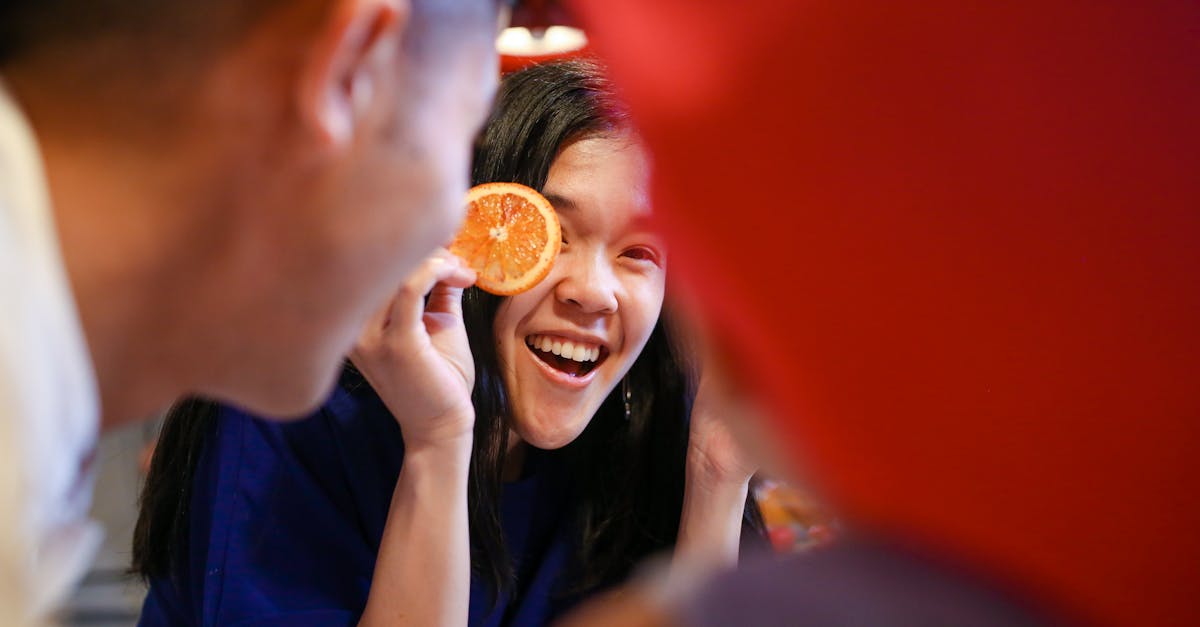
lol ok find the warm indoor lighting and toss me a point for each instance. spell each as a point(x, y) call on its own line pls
point(523, 42)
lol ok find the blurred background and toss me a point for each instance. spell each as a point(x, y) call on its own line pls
point(109, 596)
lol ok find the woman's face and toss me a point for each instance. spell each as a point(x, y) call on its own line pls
point(598, 305)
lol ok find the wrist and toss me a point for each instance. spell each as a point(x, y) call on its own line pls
point(446, 452)
point(710, 522)
point(444, 446)
point(448, 435)
point(703, 472)
point(441, 468)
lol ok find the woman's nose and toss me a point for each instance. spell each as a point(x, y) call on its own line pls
point(588, 282)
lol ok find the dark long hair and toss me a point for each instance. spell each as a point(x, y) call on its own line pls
point(627, 474)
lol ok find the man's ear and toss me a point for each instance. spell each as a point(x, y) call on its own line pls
point(338, 80)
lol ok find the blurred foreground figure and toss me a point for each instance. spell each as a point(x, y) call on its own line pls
point(954, 249)
point(204, 198)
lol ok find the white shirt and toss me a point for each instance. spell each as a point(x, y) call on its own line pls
point(49, 405)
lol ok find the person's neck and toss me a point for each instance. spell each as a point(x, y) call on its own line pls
point(133, 248)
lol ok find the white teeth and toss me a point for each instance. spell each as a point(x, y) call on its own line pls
point(566, 349)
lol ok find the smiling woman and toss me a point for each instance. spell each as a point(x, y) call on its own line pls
point(566, 343)
point(489, 460)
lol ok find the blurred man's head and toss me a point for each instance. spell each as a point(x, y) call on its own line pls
point(300, 156)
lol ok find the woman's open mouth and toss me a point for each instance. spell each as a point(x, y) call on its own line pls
point(574, 359)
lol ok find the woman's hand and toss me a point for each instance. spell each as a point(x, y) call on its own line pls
point(416, 356)
point(717, 477)
point(714, 454)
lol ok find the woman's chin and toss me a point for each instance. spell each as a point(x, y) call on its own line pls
point(550, 435)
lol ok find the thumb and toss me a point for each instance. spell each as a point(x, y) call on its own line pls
point(409, 306)
point(446, 296)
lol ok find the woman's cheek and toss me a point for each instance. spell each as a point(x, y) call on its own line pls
point(640, 321)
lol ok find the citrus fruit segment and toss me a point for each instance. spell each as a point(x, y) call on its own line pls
point(510, 237)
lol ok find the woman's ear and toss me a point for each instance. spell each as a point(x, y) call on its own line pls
point(357, 43)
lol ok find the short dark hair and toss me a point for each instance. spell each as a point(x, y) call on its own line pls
point(132, 68)
point(29, 27)
point(113, 36)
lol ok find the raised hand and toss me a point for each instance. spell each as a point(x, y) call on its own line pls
point(718, 466)
point(714, 451)
point(414, 352)
point(415, 355)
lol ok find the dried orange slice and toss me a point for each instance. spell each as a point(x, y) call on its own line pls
point(510, 237)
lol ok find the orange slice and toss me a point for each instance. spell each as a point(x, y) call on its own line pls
point(510, 237)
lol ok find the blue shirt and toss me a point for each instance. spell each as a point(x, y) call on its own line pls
point(286, 521)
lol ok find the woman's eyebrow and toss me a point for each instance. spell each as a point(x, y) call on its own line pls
point(559, 202)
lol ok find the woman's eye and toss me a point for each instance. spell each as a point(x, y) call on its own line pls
point(641, 254)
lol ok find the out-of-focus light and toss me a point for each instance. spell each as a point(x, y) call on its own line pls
point(523, 42)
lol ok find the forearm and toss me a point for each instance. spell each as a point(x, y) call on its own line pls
point(423, 572)
point(710, 525)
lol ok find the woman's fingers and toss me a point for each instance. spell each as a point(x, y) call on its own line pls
point(446, 296)
point(442, 276)
point(409, 304)
point(408, 296)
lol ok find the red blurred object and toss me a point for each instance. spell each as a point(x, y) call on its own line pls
point(821, 534)
point(782, 538)
point(535, 14)
point(956, 247)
